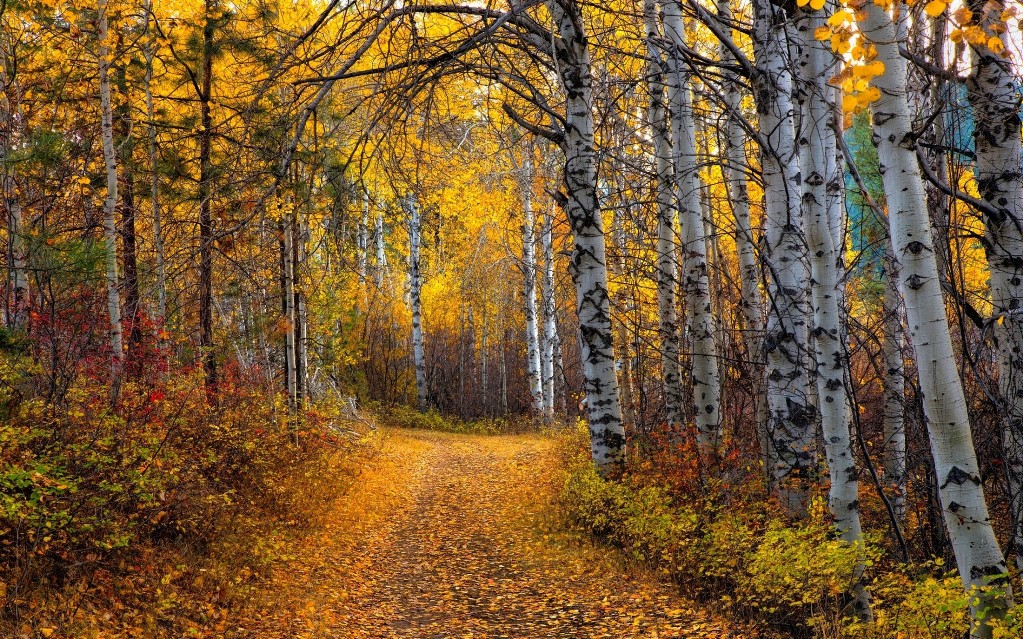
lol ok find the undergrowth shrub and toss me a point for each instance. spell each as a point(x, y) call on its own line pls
point(794, 578)
point(402, 416)
point(163, 508)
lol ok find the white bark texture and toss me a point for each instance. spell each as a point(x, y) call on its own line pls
point(791, 418)
point(667, 250)
point(415, 301)
point(378, 238)
point(110, 207)
point(533, 373)
point(290, 346)
point(589, 263)
point(817, 155)
point(706, 379)
point(549, 327)
point(994, 95)
point(978, 555)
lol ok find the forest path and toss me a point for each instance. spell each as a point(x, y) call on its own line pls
point(444, 539)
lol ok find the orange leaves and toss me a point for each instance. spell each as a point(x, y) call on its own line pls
point(935, 8)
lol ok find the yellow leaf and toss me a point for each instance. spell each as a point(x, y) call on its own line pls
point(849, 102)
point(46, 632)
point(870, 95)
point(817, 5)
point(822, 33)
point(935, 8)
point(995, 44)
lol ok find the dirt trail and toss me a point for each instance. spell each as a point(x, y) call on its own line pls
point(443, 541)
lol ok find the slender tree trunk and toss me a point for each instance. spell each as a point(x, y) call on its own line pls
point(378, 237)
point(288, 304)
point(706, 379)
point(978, 555)
point(110, 208)
point(415, 300)
point(993, 91)
point(205, 196)
point(750, 276)
point(818, 160)
point(791, 419)
point(667, 250)
point(363, 240)
point(533, 372)
point(549, 326)
point(589, 263)
point(149, 52)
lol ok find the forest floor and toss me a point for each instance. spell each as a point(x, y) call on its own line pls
point(452, 536)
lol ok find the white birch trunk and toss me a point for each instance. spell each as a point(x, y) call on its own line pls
point(706, 379)
point(791, 418)
point(589, 264)
point(549, 326)
point(533, 372)
point(667, 250)
point(363, 242)
point(290, 347)
point(993, 91)
point(378, 237)
point(978, 555)
point(415, 301)
point(110, 207)
point(819, 168)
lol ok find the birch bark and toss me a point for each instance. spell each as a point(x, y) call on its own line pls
point(964, 508)
point(415, 301)
point(993, 92)
point(589, 264)
point(706, 379)
point(109, 207)
point(667, 250)
point(791, 415)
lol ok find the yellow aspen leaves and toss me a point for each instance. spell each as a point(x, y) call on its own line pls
point(816, 5)
point(995, 44)
point(935, 8)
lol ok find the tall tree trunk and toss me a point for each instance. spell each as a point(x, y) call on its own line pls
point(978, 555)
point(149, 52)
point(750, 276)
point(533, 372)
point(791, 419)
point(205, 196)
point(819, 168)
point(288, 307)
point(589, 263)
point(378, 237)
point(549, 319)
point(706, 379)
point(993, 91)
point(110, 207)
point(667, 250)
point(415, 300)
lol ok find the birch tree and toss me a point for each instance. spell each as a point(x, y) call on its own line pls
point(993, 92)
point(705, 377)
point(110, 205)
point(589, 262)
point(667, 250)
point(978, 555)
point(416, 304)
point(791, 418)
point(533, 372)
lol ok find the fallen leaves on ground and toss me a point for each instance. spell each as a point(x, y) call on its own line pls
point(444, 537)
